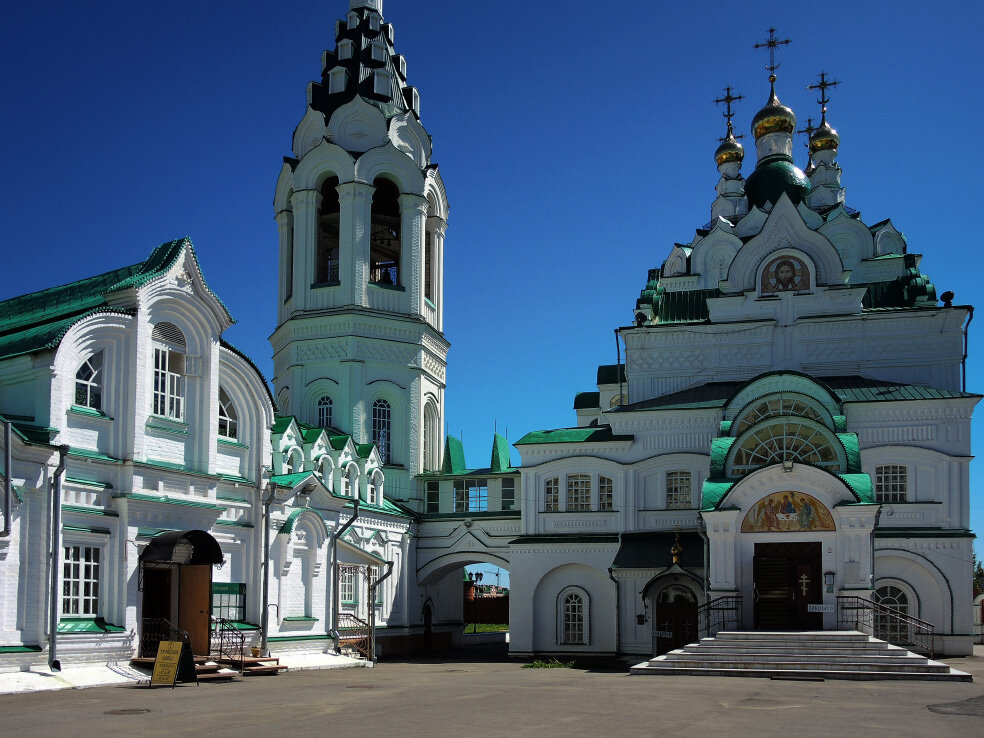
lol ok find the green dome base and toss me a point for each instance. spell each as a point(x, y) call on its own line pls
point(771, 178)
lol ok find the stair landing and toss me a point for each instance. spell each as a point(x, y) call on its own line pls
point(798, 655)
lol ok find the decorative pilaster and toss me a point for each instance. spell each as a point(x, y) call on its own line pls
point(305, 205)
point(437, 227)
point(285, 232)
point(413, 216)
point(355, 211)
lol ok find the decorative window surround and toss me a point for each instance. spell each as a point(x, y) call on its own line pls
point(88, 412)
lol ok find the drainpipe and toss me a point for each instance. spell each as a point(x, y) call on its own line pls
point(7, 479)
point(618, 607)
point(55, 519)
point(702, 531)
point(335, 603)
point(372, 605)
point(963, 361)
point(265, 564)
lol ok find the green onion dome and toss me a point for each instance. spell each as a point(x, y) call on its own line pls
point(771, 178)
point(774, 117)
point(729, 150)
point(824, 138)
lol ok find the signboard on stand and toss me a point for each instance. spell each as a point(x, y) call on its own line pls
point(174, 659)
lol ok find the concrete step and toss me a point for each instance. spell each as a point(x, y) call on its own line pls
point(805, 649)
point(904, 657)
point(951, 676)
point(745, 663)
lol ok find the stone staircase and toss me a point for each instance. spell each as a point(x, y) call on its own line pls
point(798, 655)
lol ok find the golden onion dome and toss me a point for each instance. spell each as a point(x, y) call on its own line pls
point(824, 138)
point(773, 118)
point(729, 150)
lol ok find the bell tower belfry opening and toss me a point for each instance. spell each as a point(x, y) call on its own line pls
point(361, 212)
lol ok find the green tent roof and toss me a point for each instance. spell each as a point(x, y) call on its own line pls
point(454, 456)
point(500, 454)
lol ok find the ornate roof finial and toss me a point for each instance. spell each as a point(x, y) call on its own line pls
point(729, 150)
point(676, 549)
point(728, 99)
point(772, 44)
point(808, 129)
point(823, 85)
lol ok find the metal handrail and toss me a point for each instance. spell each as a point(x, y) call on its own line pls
point(227, 640)
point(886, 623)
point(355, 632)
point(155, 630)
point(721, 613)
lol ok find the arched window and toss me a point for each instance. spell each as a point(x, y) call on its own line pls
point(572, 617)
point(324, 412)
point(228, 420)
point(295, 462)
point(350, 482)
point(325, 469)
point(169, 369)
point(381, 428)
point(384, 236)
point(375, 496)
point(432, 459)
point(778, 406)
point(89, 383)
point(328, 233)
point(429, 265)
point(888, 628)
point(786, 440)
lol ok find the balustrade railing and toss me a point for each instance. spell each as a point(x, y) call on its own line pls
point(886, 623)
point(721, 613)
point(155, 630)
point(355, 633)
point(228, 642)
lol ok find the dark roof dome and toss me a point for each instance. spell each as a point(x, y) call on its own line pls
point(824, 138)
point(771, 178)
point(729, 150)
point(773, 117)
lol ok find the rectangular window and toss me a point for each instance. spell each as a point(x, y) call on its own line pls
point(891, 483)
point(578, 492)
point(433, 498)
point(471, 495)
point(346, 585)
point(606, 498)
point(169, 383)
point(80, 581)
point(377, 572)
point(229, 601)
point(508, 493)
point(551, 495)
point(678, 494)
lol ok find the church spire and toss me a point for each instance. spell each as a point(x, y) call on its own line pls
point(824, 141)
point(728, 156)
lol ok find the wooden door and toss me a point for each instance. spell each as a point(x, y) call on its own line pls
point(195, 605)
point(674, 619)
point(773, 593)
point(787, 581)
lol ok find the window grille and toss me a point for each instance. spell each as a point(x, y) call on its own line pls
point(169, 370)
point(88, 383)
point(377, 572)
point(80, 581)
point(433, 497)
point(381, 428)
point(325, 412)
point(346, 585)
point(774, 407)
point(551, 495)
point(471, 495)
point(229, 601)
point(891, 483)
point(888, 628)
point(508, 493)
point(228, 420)
point(606, 497)
point(678, 489)
point(578, 492)
point(783, 440)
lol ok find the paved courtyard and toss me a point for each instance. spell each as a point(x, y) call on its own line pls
point(467, 697)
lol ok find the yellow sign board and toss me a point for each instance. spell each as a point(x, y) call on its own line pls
point(166, 665)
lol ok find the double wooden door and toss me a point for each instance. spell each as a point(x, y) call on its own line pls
point(787, 581)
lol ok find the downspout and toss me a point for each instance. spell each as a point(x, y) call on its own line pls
point(7, 479)
point(618, 606)
point(265, 585)
point(372, 604)
point(54, 513)
point(335, 535)
point(963, 361)
point(702, 531)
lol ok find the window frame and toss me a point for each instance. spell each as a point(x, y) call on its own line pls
point(551, 495)
point(87, 604)
point(606, 493)
point(93, 385)
point(348, 583)
point(229, 602)
point(382, 428)
point(228, 416)
point(573, 601)
point(678, 497)
point(508, 484)
point(578, 492)
point(896, 477)
point(432, 497)
point(326, 410)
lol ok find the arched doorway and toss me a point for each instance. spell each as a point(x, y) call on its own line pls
point(176, 580)
point(674, 618)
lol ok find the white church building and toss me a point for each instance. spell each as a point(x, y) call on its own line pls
point(787, 441)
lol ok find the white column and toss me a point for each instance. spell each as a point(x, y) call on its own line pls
point(438, 257)
point(305, 205)
point(413, 214)
point(355, 220)
point(285, 231)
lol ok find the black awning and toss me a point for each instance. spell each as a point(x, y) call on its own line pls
point(652, 550)
point(204, 548)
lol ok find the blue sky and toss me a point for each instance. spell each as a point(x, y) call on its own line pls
point(575, 139)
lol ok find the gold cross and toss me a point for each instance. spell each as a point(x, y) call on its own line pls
point(772, 44)
point(823, 85)
point(728, 99)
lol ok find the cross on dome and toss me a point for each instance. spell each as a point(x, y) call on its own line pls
point(772, 44)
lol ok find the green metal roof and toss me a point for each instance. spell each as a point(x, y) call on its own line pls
point(686, 306)
point(587, 400)
point(38, 321)
point(591, 434)
point(281, 423)
point(500, 454)
point(713, 491)
point(860, 485)
point(338, 442)
point(290, 480)
point(364, 450)
point(611, 373)
point(454, 456)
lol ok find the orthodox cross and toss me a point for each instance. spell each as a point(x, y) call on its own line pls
point(808, 129)
point(772, 44)
point(823, 85)
point(728, 99)
point(804, 581)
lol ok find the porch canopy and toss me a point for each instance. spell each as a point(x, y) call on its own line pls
point(651, 550)
point(182, 547)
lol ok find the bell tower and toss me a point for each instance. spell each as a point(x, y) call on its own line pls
point(361, 213)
